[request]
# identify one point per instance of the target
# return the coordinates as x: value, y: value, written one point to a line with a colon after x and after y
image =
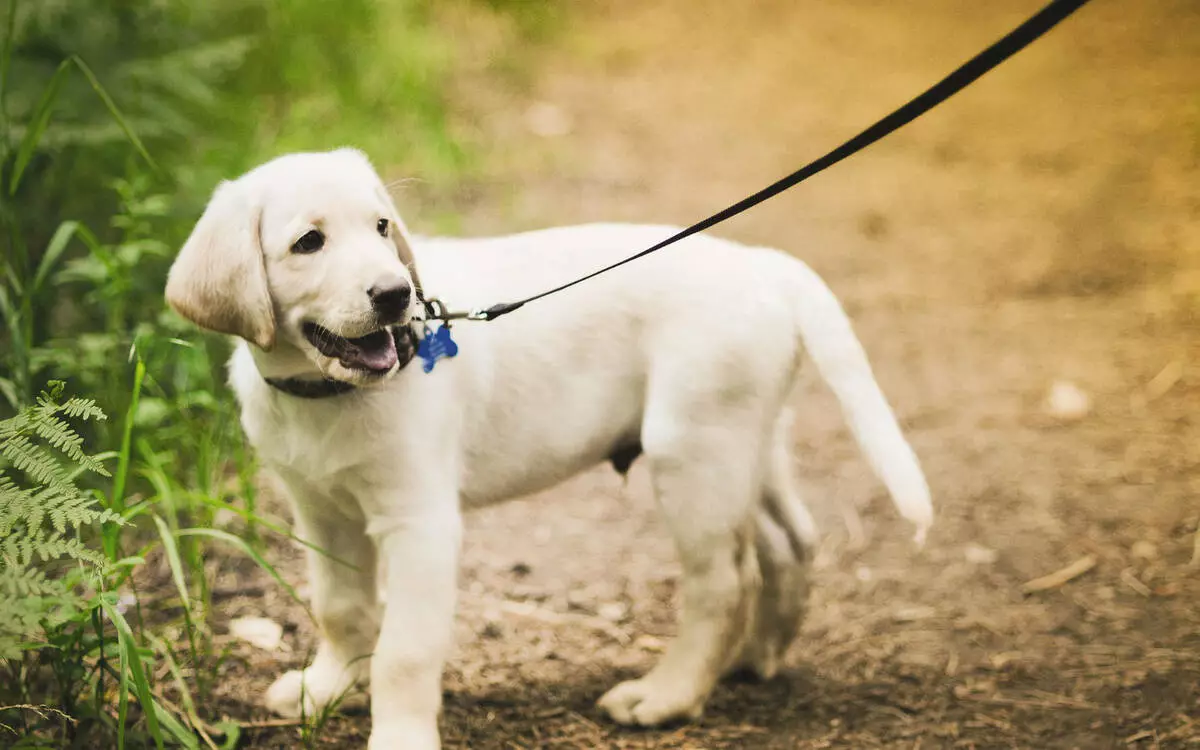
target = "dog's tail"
x: 839, y: 357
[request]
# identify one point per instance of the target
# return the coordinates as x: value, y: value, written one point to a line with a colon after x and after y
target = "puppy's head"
x: 308, y: 252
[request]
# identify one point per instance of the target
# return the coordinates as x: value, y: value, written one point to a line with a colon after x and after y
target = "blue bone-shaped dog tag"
x: 435, y: 345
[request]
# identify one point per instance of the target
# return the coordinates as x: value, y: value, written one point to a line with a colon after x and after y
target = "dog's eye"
x: 382, y: 227
x: 311, y: 242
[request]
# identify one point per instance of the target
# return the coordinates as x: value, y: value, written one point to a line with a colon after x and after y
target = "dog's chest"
x: 318, y: 440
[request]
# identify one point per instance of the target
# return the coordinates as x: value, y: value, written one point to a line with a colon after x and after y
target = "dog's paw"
x: 297, y: 694
x: 648, y: 703
x: 404, y: 735
x: 288, y: 696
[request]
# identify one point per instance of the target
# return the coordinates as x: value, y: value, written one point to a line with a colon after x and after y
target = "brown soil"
x: 1041, y: 226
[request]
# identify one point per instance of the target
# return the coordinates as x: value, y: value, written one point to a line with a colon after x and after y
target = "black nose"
x: 390, y: 302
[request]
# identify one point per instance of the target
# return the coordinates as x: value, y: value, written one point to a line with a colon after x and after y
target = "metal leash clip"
x: 435, y: 309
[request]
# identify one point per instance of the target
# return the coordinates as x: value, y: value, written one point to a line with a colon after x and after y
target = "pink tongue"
x: 374, y: 352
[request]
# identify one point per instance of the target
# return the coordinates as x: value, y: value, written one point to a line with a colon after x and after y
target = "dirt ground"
x: 1042, y: 226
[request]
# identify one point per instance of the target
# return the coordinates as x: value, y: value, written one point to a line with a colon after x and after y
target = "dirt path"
x: 1042, y: 226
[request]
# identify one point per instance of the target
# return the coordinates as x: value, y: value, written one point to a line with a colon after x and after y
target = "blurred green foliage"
x: 117, y: 119
x: 211, y: 87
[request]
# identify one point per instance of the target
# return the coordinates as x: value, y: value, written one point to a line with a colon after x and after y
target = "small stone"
x: 977, y: 554
x: 613, y: 611
x: 1067, y: 401
x: 649, y: 643
x: 521, y: 569
x: 125, y: 601
x: 1144, y: 549
x: 225, y: 518
x: 913, y: 614
x: 257, y: 631
x: 547, y: 120
x: 863, y: 573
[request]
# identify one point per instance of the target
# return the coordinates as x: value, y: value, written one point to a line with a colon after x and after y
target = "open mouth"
x: 374, y: 353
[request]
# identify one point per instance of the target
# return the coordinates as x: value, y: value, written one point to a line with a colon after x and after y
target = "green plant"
x: 76, y: 655
x: 110, y: 643
x: 42, y: 512
x: 52, y: 640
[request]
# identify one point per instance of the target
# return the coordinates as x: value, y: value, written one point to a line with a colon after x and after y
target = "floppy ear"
x: 219, y: 280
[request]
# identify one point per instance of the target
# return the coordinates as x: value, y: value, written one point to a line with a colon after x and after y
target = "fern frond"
x: 35, y: 461
x: 84, y: 409
x: 60, y: 436
x: 43, y: 515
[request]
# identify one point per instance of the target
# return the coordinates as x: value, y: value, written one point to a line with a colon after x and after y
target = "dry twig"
x: 270, y: 723
x: 1060, y: 576
x: 1130, y: 580
x: 1048, y: 701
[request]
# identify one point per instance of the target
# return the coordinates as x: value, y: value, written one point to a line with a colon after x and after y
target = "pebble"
x: 1144, y: 549
x: 613, y: 611
x: 257, y: 631
x: 977, y: 554
x: 1067, y: 401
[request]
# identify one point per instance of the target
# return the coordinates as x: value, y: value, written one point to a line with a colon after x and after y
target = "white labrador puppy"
x: 687, y: 357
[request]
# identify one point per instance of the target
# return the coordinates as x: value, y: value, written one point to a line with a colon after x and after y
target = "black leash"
x: 1015, y: 41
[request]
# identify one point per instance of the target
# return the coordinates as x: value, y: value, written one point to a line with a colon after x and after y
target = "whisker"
x: 403, y: 182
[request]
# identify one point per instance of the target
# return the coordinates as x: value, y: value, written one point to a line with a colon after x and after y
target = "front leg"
x: 341, y: 574
x: 420, y: 555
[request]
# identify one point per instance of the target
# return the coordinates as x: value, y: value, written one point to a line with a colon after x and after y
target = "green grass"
x: 117, y: 119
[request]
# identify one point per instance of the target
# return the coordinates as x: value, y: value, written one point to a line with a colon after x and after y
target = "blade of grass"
x: 9, y: 390
x: 232, y: 731
x: 176, y: 564
x: 14, y: 280
x: 37, y: 125
x: 58, y: 244
x: 41, y: 118
x: 113, y: 110
x: 117, y: 499
x: 54, y: 249
x: 169, y: 546
x: 131, y: 668
x: 250, y: 552
x: 185, y: 695
x: 271, y: 526
x: 19, y: 347
x: 186, y: 737
x: 10, y: 33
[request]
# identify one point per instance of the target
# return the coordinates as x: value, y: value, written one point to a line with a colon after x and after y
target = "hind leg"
x: 785, y: 539
x: 706, y: 483
x: 776, y: 618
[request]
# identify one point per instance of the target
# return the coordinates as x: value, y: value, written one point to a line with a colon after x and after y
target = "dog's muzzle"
x: 373, y: 353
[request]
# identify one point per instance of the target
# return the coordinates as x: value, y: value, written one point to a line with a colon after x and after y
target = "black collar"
x: 406, y: 350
